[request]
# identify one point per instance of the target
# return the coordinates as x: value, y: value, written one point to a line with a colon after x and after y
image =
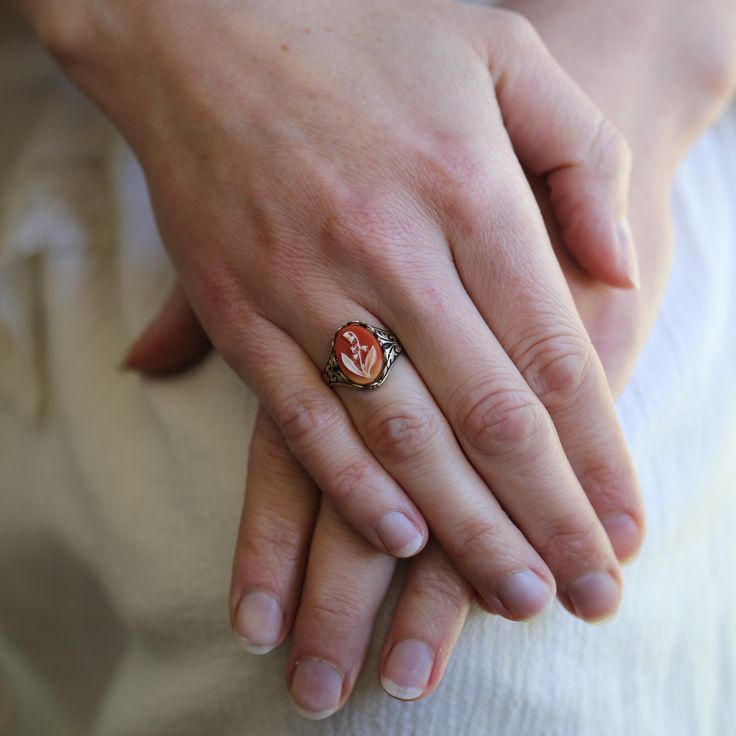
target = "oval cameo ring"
x: 361, y: 356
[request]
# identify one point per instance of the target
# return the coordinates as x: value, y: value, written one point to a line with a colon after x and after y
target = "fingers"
x: 281, y: 503
x: 345, y: 585
x: 533, y: 316
x: 504, y: 429
x: 427, y: 621
x: 510, y: 439
x: 540, y: 330
x: 346, y: 582
x: 557, y: 132
x: 408, y: 434
x: 173, y: 341
x: 320, y: 433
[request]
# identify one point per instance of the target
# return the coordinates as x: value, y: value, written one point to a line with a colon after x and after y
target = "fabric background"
x: 119, y: 498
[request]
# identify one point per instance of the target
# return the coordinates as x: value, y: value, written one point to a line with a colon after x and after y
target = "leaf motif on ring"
x: 353, y: 368
x: 370, y: 360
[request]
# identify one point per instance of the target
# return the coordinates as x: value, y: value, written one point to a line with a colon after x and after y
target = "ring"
x: 361, y: 356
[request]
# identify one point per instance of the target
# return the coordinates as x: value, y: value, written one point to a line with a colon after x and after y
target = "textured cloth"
x: 120, y: 498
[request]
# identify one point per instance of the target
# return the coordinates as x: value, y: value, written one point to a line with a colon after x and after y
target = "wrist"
x: 107, y: 48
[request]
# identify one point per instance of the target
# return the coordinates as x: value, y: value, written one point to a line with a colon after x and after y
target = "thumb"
x: 559, y: 134
x: 173, y: 341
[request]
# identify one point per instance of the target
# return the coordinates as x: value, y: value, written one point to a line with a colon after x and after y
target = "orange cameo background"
x: 358, y: 354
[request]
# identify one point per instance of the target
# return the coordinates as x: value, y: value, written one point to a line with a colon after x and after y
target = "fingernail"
x: 408, y: 669
x: 399, y: 535
x: 594, y: 596
x: 316, y: 688
x: 628, y: 260
x: 625, y: 536
x: 525, y: 594
x: 258, y: 622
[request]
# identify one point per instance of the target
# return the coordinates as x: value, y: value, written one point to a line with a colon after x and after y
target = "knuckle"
x: 557, y: 367
x: 574, y: 544
x: 475, y: 539
x: 459, y: 181
x: 351, y: 482
x: 67, y: 36
x: 304, y: 419
x: 366, y: 231
x: 440, y: 587
x: 713, y: 67
x: 335, y: 616
x: 401, y: 434
x: 501, y: 421
x: 227, y: 312
x: 220, y: 292
x: 608, y: 149
x: 519, y: 30
x: 273, y: 546
x: 269, y: 436
x: 717, y: 71
x: 612, y: 486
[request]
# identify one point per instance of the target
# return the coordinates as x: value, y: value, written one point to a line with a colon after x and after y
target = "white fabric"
x: 119, y: 498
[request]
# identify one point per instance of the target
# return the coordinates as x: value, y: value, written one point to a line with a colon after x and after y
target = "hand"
x: 339, y: 171
x: 663, y: 72
x: 435, y: 598
x: 330, y: 614
x: 344, y: 586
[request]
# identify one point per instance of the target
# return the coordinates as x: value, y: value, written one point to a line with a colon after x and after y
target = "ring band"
x: 361, y: 355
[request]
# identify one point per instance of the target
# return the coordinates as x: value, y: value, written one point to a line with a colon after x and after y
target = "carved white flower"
x: 363, y: 358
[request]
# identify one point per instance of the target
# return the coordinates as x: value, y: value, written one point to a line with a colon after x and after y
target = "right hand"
x: 364, y: 171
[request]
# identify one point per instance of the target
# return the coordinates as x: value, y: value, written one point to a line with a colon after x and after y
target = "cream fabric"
x: 119, y: 498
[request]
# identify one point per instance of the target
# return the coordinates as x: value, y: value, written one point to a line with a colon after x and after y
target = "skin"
x: 383, y: 191
x: 436, y: 596
x: 332, y: 621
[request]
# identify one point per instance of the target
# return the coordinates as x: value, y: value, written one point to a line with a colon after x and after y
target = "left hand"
x: 346, y: 579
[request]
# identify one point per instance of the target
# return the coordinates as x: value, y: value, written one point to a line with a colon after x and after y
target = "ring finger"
x: 408, y: 434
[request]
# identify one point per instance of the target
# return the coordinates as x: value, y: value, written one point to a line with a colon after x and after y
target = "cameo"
x: 358, y: 354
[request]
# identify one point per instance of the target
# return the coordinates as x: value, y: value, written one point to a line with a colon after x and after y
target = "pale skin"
x: 333, y: 621
x: 383, y: 190
x: 335, y: 615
